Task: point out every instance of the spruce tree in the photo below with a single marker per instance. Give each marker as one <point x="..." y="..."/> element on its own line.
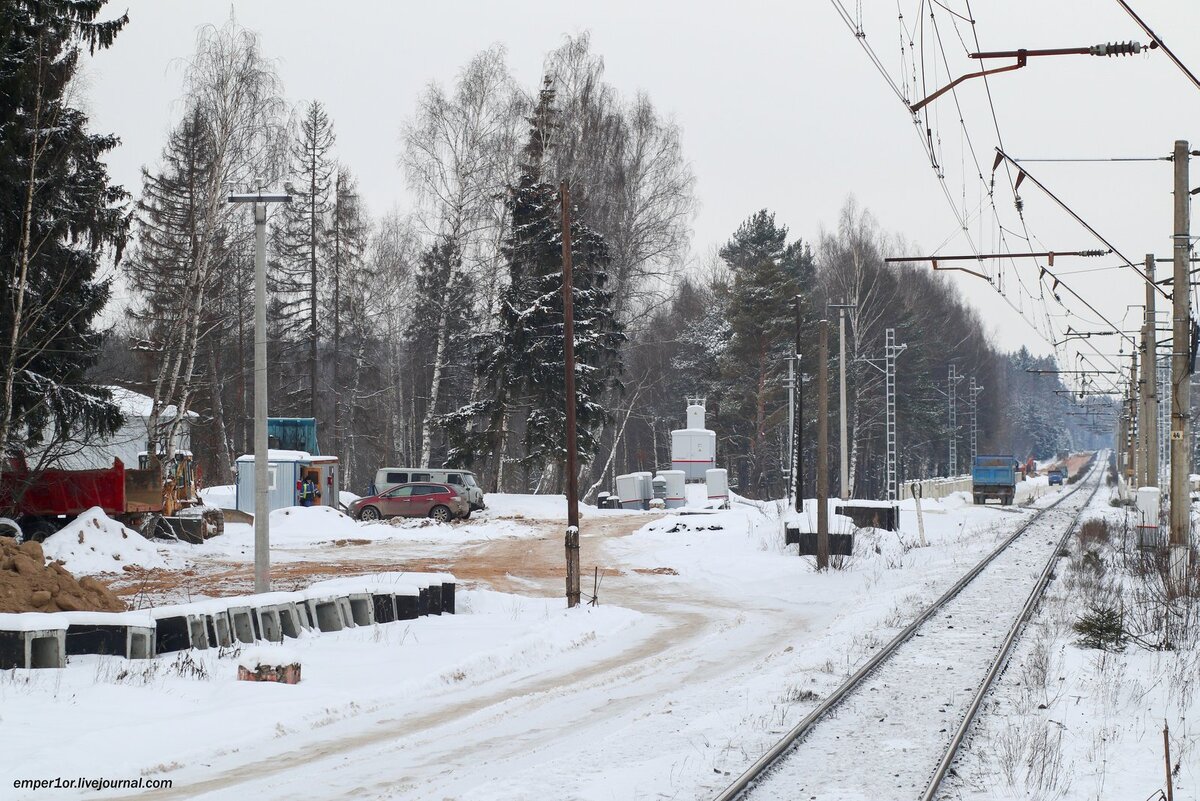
<point x="301" y="270"/>
<point x="521" y="363"/>
<point x="61" y="217"/>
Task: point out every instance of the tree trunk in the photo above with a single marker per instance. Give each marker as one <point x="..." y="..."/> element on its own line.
<point x="224" y="466"/>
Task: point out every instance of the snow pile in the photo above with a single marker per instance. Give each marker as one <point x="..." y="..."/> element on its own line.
<point x="223" y="496"/>
<point x="305" y="524"/>
<point x="538" y="507"/>
<point x="95" y="543"/>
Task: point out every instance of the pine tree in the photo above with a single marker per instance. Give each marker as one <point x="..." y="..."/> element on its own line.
<point x="61" y="216"/>
<point x="521" y="362"/>
<point x="768" y="274"/>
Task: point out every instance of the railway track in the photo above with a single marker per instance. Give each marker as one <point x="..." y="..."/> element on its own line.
<point x="892" y="730"/>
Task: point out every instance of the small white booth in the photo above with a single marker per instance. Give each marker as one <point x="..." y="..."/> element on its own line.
<point x="286" y="472"/>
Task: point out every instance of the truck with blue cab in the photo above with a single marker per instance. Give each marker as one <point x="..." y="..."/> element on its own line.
<point x="994" y="477"/>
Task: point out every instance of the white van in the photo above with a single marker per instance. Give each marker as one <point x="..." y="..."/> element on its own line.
<point x="388" y="477"/>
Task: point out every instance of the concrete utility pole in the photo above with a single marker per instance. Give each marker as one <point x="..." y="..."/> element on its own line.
<point x="1133" y="466"/>
<point x="791" y="385"/>
<point x="262" y="508"/>
<point x="1181" y="374"/>
<point x="1149" y="413"/>
<point x="799" y="442"/>
<point x="571" y="541"/>
<point x="823" y="448"/>
<point x="844" y="433"/>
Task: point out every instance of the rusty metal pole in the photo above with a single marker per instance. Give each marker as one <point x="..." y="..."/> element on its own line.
<point x="1167" y="757"/>
<point x="572" y="536"/>
<point x="1181" y="376"/>
<point x="823" y="447"/>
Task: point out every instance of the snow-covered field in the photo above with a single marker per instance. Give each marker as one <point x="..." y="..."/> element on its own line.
<point x="710" y="639"/>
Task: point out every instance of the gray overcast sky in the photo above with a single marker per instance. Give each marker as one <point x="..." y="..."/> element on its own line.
<point x="779" y="106"/>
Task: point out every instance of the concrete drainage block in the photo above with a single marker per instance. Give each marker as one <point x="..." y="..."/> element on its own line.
<point x="243" y="623"/>
<point x="406" y="606"/>
<point x="383" y="607"/>
<point x="269" y="628"/>
<point x="126" y="634"/>
<point x="32" y="640"/>
<point x="325" y="614"/>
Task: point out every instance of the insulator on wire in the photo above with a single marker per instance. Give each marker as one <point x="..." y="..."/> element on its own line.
<point x="1111" y="49"/>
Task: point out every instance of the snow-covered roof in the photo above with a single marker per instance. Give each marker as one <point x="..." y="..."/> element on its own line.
<point x="280" y="455"/>
<point x="135" y="404"/>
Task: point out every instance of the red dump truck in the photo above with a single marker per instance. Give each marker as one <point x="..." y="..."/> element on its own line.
<point x="43" y="501"/>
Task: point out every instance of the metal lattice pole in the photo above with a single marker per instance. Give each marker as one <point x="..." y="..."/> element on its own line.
<point x="975" y="390"/>
<point x="952" y="415"/>
<point x="891" y="351"/>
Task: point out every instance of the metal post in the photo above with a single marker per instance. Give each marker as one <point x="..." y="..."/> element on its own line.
<point x="1181" y="373"/>
<point x="571" y="540"/>
<point x="1149" y="415"/>
<point x="262" y="509"/>
<point x="823" y="447"/>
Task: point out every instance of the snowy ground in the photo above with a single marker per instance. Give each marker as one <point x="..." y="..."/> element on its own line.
<point x="710" y="640"/>
<point x="1066" y="721"/>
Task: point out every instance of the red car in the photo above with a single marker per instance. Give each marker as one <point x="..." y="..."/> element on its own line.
<point x="442" y="502"/>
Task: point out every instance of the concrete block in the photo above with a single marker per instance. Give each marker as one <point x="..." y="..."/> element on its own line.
<point x="243" y="622"/>
<point x="198" y="629"/>
<point x="448" y="597"/>
<point x="324" y="612"/>
<point x="423" y="602"/>
<point x="406" y="607"/>
<point x="268" y="623"/>
<point x="221" y="629"/>
<point x="172" y="633"/>
<point x="111" y="638"/>
<point x="383" y="607"/>
<point x="361" y="608"/>
<point x="33" y="648"/>
<point x="347" y="613"/>
<point x="435" y="598"/>
<point x="289" y="619"/>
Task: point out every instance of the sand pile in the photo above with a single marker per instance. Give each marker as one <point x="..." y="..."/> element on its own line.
<point x="28" y="584"/>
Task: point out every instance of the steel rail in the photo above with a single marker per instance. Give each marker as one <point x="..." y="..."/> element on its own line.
<point x="801" y="729"/>
<point x="1014" y="633"/>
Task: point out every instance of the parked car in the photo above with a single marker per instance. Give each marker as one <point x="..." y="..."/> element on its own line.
<point x="388" y="477"/>
<point x="1056" y="477"/>
<point x="442" y="502"/>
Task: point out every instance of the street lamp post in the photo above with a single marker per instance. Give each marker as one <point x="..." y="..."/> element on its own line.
<point x="262" y="512"/>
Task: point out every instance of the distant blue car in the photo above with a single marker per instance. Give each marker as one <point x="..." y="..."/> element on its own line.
<point x="1056" y="477"/>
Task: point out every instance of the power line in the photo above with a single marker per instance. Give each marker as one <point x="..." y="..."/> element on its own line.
<point x="1160" y="43"/>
